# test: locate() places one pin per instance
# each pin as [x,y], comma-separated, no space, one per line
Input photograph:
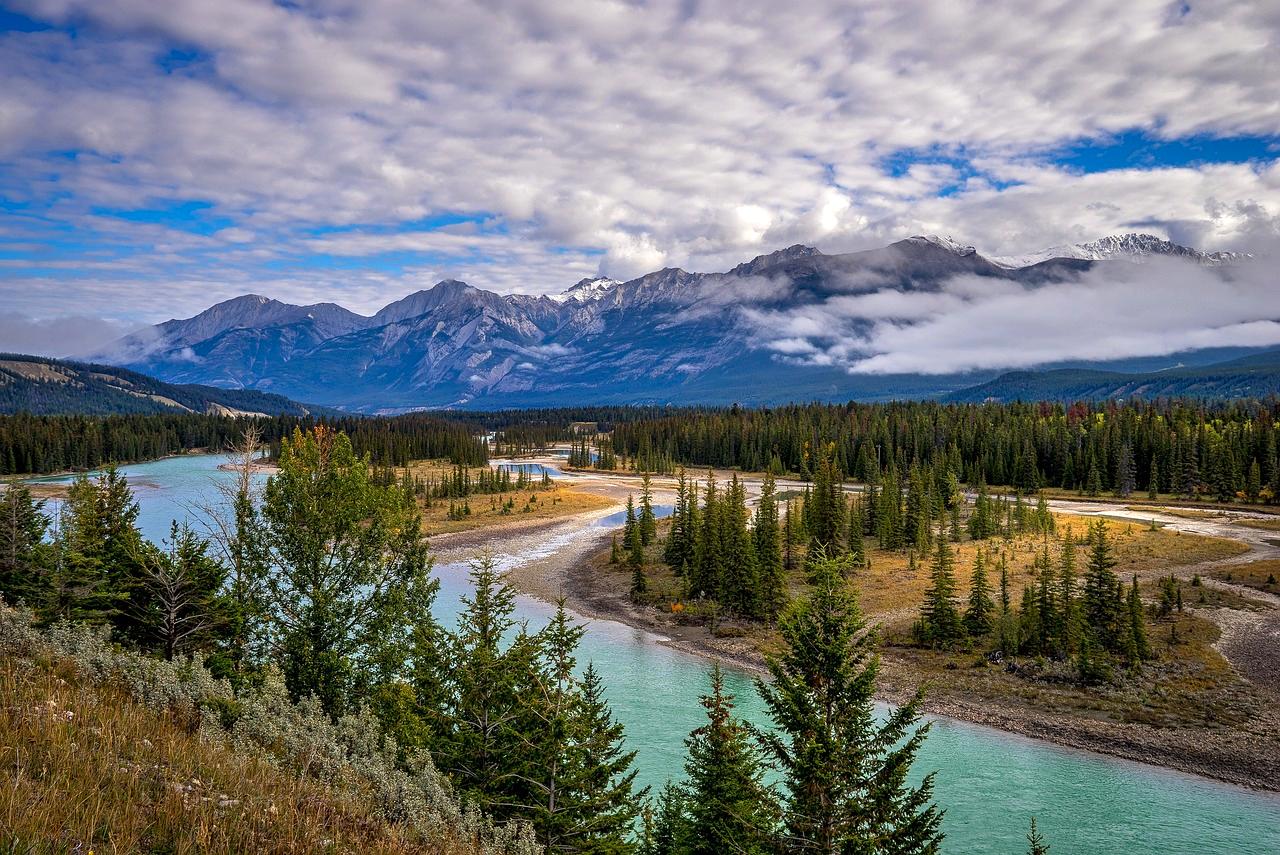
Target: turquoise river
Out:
[989,782]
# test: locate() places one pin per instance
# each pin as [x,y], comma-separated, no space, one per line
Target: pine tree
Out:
[768,547]
[1138,649]
[940,624]
[647,522]
[1153,481]
[740,583]
[349,571]
[484,686]
[844,773]
[606,799]
[729,807]
[179,605]
[670,822]
[1035,841]
[1101,603]
[979,617]
[24,556]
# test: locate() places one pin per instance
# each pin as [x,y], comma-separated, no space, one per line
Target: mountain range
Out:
[670,336]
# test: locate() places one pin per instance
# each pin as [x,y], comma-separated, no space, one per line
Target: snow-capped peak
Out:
[1129,247]
[947,243]
[587,290]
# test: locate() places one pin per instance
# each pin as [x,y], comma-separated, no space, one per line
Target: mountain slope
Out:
[44,386]
[1253,376]
[667,336]
[1130,247]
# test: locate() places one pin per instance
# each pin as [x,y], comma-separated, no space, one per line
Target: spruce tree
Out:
[1067,598]
[768,547]
[180,605]
[979,617]
[486,681]
[676,551]
[646,521]
[740,583]
[1101,607]
[844,773]
[1035,841]
[24,556]
[857,525]
[940,624]
[96,545]
[670,821]
[1138,649]
[729,807]
[606,799]
[826,505]
[639,582]
[631,539]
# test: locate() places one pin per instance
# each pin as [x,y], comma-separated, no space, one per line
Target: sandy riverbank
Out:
[1238,754]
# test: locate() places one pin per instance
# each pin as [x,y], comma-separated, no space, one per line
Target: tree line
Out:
[324,576]
[1223,450]
[42,444]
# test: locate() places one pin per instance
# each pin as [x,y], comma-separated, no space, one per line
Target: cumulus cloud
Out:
[611,138]
[1114,311]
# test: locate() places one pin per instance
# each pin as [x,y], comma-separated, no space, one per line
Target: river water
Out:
[990,782]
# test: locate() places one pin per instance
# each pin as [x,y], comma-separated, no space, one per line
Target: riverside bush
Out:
[351,754]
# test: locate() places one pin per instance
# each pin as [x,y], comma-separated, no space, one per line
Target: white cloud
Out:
[621,137]
[1114,311]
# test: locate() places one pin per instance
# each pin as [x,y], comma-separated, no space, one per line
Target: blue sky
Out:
[157,157]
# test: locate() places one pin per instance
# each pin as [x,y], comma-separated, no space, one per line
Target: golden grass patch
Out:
[87,769]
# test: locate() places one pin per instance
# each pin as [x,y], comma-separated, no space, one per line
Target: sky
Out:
[156,157]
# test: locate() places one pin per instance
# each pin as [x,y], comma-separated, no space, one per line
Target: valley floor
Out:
[1209,705]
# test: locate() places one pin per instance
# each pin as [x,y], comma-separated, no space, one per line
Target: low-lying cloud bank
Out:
[1112,312]
[67,336]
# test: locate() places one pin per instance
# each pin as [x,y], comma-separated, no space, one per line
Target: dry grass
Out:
[1140,501]
[532,503]
[1189,683]
[87,769]
[1259,575]
[1265,525]
[890,592]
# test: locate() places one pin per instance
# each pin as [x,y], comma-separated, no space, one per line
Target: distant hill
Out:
[1256,375]
[43,386]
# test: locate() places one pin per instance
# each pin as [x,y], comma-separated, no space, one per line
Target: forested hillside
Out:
[1253,376]
[35,384]
[1222,450]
